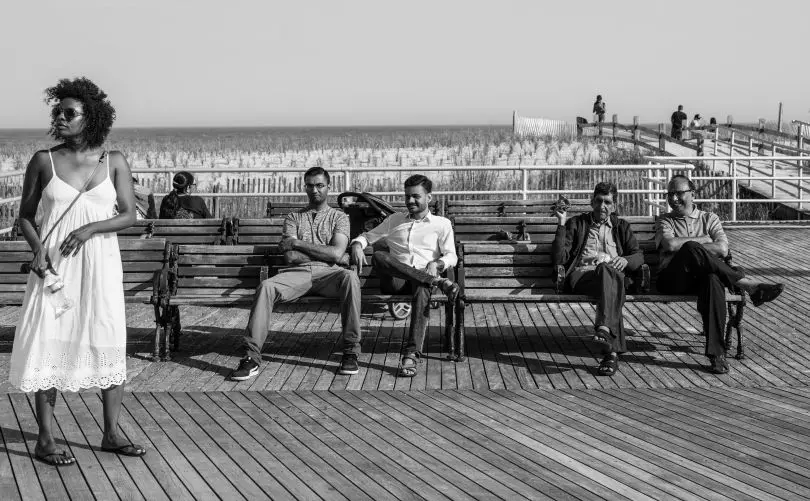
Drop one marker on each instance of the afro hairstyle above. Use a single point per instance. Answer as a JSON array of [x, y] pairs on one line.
[[99, 113]]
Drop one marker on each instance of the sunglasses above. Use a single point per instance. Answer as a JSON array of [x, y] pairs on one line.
[[679, 193], [68, 113]]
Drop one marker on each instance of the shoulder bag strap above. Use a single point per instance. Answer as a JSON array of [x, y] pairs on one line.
[[81, 192]]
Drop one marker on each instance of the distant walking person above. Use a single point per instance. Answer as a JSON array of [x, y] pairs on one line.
[[678, 119], [59, 346], [599, 110], [180, 203]]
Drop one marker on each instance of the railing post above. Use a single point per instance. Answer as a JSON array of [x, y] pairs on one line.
[[750, 152], [661, 141], [733, 190], [650, 191], [773, 170], [347, 180], [524, 174], [714, 152], [801, 185], [731, 149], [615, 119]]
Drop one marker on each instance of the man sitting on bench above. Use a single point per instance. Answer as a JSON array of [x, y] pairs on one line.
[[314, 245], [420, 247], [596, 249], [691, 244]]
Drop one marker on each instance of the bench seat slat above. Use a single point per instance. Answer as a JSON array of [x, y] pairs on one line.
[[507, 259], [225, 297], [549, 296]]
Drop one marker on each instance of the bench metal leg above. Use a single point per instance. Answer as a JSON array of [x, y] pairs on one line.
[[735, 316], [460, 305], [449, 342], [169, 330], [158, 332]]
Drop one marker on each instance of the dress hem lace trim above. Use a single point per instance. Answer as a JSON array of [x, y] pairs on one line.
[[102, 383]]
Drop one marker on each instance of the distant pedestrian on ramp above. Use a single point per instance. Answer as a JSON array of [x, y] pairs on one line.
[[599, 110], [678, 119]]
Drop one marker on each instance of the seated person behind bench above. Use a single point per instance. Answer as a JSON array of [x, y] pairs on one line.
[[596, 249], [314, 244], [180, 203], [420, 247], [691, 244]]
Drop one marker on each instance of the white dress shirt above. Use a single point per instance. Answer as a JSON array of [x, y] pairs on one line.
[[415, 242]]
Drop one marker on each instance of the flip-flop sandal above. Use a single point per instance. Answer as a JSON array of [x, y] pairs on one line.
[[609, 365], [51, 458], [126, 450], [407, 368], [601, 338]]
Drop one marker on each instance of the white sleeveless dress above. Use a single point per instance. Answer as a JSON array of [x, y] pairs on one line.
[[86, 346]]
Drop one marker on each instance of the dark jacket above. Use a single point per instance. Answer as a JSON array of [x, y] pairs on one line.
[[569, 242]]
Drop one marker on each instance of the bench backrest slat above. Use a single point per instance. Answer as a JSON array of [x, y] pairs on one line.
[[515, 268], [140, 260]]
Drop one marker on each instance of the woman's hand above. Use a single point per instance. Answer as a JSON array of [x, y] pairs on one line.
[[41, 263], [76, 239]]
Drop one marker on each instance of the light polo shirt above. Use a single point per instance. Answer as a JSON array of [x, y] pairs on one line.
[[414, 242], [697, 223], [316, 227]]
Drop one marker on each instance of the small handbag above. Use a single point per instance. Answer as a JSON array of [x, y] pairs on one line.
[[28, 267]]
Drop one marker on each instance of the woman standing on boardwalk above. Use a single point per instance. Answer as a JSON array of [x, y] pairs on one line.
[[72, 329]]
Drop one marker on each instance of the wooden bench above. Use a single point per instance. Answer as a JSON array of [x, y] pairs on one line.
[[229, 275], [187, 231], [191, 231], [541, 207], [514, 271], [520, 228], [145, 265]]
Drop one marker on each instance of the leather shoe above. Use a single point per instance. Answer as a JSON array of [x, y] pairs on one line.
[[718, 364], [766, 293]]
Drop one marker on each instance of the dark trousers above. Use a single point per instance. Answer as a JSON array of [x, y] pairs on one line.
[[694, 270], [399, 278], [606, 284], [290, 284], [677, 133]]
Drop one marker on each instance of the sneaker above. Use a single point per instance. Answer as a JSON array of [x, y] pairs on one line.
[[246, 370], [348, 364]]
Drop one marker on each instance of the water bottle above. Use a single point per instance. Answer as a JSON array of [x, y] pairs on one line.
[[55, 293]]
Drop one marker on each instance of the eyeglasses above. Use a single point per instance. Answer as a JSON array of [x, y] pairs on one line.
[[679, 193], [68, 113], [318, 186]]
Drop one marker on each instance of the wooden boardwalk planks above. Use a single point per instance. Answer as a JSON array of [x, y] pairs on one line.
[[623, 443]]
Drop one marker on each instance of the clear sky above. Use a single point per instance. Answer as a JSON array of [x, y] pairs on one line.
[[380, 62]]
